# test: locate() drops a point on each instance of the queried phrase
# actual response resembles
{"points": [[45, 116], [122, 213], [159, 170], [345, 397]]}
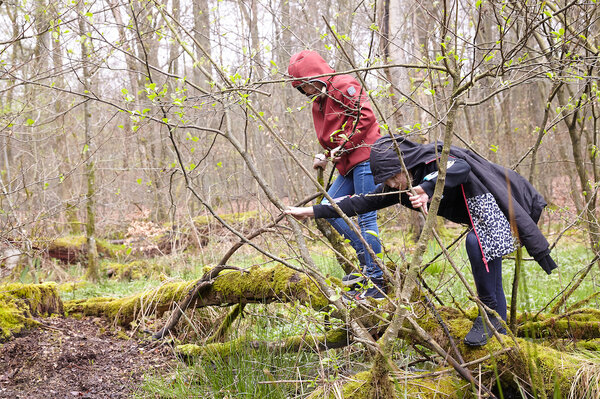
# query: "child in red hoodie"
{"points": [[346, 127]]}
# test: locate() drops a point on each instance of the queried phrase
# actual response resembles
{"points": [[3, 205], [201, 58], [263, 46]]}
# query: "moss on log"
{"points": [[330, 340], [20, 302], [134, 270], [551, 370], [580, 324], [361, 386], [255, 285], [71, 249], [124, 310]]}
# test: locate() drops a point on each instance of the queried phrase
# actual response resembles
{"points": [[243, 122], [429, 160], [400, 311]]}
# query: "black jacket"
{"points": [[468, 177]]}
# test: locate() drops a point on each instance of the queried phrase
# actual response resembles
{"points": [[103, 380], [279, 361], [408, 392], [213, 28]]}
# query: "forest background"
{"points": [[123, 120]]}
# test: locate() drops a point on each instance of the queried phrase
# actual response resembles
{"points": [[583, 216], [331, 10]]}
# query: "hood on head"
{"points": [[384, 159], [305, 64]]}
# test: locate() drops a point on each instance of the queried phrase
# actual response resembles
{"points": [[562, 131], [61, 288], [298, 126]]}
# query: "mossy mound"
{"points": [[207, 226], [240, 218], [20, 302], [72, 249], [135, 270]]}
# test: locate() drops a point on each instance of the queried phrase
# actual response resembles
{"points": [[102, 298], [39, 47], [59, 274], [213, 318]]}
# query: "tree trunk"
{"points": [[88, 153]]}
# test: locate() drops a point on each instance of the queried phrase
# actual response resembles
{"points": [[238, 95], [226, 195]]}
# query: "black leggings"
{"points": [[488, 284]]}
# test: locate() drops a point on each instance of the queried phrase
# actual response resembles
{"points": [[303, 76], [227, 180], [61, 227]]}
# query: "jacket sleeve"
{"points": [[457, 172], [382, 197]]}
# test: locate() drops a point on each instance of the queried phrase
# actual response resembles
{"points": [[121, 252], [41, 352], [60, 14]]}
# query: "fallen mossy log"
{"points": [[333, 339], [363, 385], [544, 371], [255, 285], [581, 324], [503, 369], [125, 310], [20, 302], [72, 249]]}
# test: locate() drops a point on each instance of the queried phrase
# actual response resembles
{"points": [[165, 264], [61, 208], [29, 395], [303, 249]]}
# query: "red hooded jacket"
{"points": [[335, 115]]}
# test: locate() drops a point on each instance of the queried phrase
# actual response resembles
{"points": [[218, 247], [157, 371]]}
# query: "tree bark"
{"points": [[88, 154]]}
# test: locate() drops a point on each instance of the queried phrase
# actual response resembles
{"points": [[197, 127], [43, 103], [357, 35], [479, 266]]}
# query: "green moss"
{"points": [[578, 329], [134, 270], [70, 241], [592, 345], [108, 250], [124, 310], [73, 246], [20, 302], [266, 282], [229, 218], [222, 350], [13, 318], [294, 343], [551, 369], [360, 386], [557, 369], [231, 286]]}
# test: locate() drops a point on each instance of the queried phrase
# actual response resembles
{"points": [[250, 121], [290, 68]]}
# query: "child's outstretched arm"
{"points": [[300, 213]]}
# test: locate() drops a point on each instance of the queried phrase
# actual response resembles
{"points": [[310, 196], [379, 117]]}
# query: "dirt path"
{"points": [[72, 358]]}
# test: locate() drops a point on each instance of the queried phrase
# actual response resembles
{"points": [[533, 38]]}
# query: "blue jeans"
{"points": [[358, 181], [488, 284]]}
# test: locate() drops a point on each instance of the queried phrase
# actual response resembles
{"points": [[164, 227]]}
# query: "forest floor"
{"points": [[70, 358]]}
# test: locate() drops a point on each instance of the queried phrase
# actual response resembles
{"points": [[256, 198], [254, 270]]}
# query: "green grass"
{"points": [[244, 375], [536, 289], [255, 373]]}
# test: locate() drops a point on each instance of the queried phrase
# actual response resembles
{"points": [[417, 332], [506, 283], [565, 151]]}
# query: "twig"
{"points": [[566, 296], [468, 364]]}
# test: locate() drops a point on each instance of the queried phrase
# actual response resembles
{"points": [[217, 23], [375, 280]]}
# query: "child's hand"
{"points": [[300, 213], [419, 199], [320, 161], [333, 154]]}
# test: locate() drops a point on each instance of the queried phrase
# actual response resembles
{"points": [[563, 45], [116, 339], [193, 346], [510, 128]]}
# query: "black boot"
{"points": [[480, 333]]}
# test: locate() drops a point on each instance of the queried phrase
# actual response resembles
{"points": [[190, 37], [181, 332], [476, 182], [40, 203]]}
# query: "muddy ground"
{"points": [[70, 358]]}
